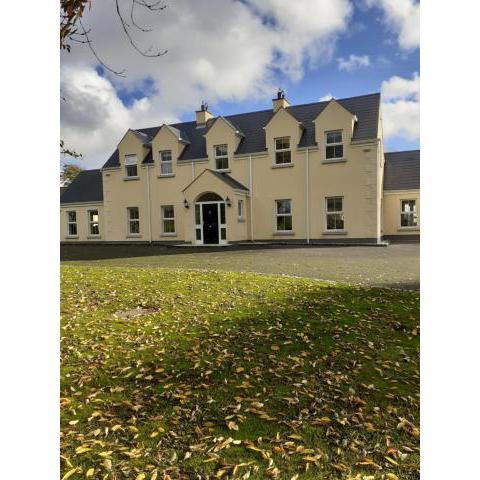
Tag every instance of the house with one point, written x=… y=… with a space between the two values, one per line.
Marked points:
x=312 y=173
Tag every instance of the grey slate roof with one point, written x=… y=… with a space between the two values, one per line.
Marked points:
x=229 y=180
x=365 y=107
x=402 y=170
x=87 y=186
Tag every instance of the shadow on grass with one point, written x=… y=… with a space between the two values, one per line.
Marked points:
x=334 y=367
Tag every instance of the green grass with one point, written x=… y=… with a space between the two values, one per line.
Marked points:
x=236 y=376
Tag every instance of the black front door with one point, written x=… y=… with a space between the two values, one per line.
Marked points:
x=210 y=223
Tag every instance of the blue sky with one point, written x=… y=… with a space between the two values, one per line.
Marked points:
x=234 y=55
x=370 y=37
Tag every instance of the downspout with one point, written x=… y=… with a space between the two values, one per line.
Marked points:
x=251 y=199
x=193 y=171
x=307 y=195
x=148 y=206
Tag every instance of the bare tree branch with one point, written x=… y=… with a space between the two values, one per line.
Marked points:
x=89 y=43
x=125 y=26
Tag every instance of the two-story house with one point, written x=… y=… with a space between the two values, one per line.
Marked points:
x=313 y=173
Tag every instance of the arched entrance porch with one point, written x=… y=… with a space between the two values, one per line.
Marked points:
x=210 y=219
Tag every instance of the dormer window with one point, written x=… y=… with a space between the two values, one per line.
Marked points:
x=166 y=162
x=283 y=153
x=221 y=157
x=334 y=145
x=131 y=168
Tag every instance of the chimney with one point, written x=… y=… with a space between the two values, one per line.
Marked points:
x=280 y=101
x=203 y=114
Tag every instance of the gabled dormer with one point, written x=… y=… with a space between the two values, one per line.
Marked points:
x=222 y=139
x=132 y=150
x=333 y=132
x=167 y=145
x=282 y=135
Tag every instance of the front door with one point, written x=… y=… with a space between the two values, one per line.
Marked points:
x=210 y=223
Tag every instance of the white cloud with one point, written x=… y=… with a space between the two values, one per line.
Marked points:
x=397 y=87
x=217 y=50
x=326 y=97
x=353 y=62
x=403 y=18
x=401 y=107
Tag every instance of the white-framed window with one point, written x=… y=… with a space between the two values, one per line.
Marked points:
x=334 y=213
x=283 y=215
x=131 y=167
x=133 y=219
x=221 y=157
x=93 y=222
x=283 y=153
x=408 y=213
x=168 y=219
x=240 y=209
x=72 y=223
x=333 y=145
x=166 y=162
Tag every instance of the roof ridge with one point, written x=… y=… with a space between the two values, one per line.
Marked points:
x=403 y=151
x=268 y=110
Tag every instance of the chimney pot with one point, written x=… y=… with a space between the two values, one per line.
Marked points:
x=203 y=115
x=280 y=101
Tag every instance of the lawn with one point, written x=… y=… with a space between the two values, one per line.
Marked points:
x=231 y=375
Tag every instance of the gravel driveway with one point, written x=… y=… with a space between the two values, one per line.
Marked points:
x=394 y=266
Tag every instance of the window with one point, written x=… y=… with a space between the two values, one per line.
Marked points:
x=221 y=157
x=240 y=209
x=168 y=219
x=335 y=219
x=283 y=153
x=408 y=214
x=283 y=213
x=166 y=162
x=334 y=145
x=72 y=223
x=133 y=221
x=93 y=224
x=131 y=169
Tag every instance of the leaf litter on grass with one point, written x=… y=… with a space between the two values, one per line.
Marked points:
x=236 y=376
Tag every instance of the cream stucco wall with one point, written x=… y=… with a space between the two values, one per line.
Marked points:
x=307 y=182
x=391 y=212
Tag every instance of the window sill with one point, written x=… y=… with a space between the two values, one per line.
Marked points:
x=335 y=232
x=71 y=237
x=334 y=160
x=128 y=179
x=408 y=229
x=223 y=170
x=94 y=237
x=168 y=234
x=282 y=165
x=283 y=233
x=165 y=175
x=134 y=235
